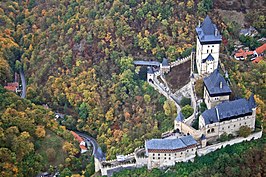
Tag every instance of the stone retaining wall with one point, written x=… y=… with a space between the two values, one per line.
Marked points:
x=180 y=61
x=211 y=148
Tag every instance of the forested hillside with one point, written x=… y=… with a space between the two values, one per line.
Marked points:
x=31 y=141
x=77 y=56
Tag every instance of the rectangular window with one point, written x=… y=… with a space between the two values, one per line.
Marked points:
x=207 y=51
x=211 y=50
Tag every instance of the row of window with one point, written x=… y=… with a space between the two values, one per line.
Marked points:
x=247 y=117
x=235 y=125
x=208 y=51
x=175 y=153
x=213 y=130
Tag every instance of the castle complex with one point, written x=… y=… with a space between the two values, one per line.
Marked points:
x=222 y=117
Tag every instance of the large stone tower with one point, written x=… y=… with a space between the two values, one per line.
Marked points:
x=208 y=46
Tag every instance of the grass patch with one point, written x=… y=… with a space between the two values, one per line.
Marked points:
x=51 y=148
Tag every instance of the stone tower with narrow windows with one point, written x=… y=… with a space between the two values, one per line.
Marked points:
x=208 y=46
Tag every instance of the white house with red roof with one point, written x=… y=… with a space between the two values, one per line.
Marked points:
x=82 y=144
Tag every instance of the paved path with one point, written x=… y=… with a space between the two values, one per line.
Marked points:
x=165 y=90
x=23 y=81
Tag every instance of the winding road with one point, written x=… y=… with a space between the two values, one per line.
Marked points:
x=23 y=81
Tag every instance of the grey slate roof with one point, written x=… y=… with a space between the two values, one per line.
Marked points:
x=203 y=137
x=210 y=116
x=206 y=31
x=165 y=62
x=150 y=70
x=213 y=83
x=209 y=58
x=180 y=117
x=188 y=140
x=146 y=63
x=229 y=110
x=170 y=144
x=251 y=101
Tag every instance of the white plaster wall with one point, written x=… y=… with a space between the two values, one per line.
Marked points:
x=229 y=127
x=202 y=52
x=213 y=101
x=156 y=160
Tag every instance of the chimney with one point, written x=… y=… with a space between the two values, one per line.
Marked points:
x=199 y=23
x=221 y=85
x=216 y=32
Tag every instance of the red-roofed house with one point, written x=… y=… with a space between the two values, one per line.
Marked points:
x=242 y=55
x=260 y=50
x=82 y=144
x=12 y=86
x=257 y=59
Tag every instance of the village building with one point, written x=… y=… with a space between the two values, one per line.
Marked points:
x=216 y=89
x=82 y=144
x=251 y=31
x=208 y=46
x=228 y=117
x=13 y=87
x=243 y=54
x=260 y=50
x=166 y=152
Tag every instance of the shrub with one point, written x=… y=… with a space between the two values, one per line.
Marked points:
x=185 y=101
x=187 y=111
x=244 y=131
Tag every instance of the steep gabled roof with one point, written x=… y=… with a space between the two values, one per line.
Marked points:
x=216 y=84
x=251 y=101
x=77 y=137
x=209 y=58
x=165 y=62
x=208 y=32
x=229 y=110
x=150 y=70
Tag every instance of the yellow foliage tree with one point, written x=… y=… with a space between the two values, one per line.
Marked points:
x=40 y=131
